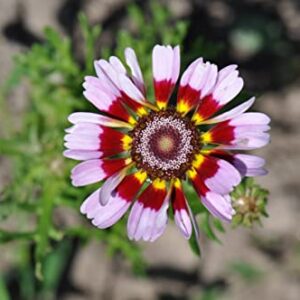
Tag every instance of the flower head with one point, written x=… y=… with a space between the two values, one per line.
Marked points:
x=143 y=151
x=249 y=201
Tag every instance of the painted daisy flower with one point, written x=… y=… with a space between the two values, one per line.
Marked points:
x=143 y=151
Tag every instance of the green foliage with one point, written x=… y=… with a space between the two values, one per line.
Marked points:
x=246 y=271
x=4 y=295
x=211 y=294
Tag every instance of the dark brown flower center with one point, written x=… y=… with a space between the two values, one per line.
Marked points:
x=164 y=144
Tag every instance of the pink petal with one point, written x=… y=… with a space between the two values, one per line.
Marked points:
x=232 y=113
x=104 y=84
x=84 y=117
x=147 y=223
x=250 y=118
x=87 y=172
x=90 y=129
x=99 y=99
x=133 y=219
x=134 y=66
x=117 y=65
x=107 y=78
x=248 y=142
x=197 y=75
x=109 y=214
x=209 y=79
x=176 y=64
x=223 y=96
x=110 y=185
x=162 y=63
x=225 y=179
x=91 y=205
x=83 y=136
x=104 y=216
x=161 y=221
x=183 y=222
x=82 y=154
x=186 y=76
x=223 y=73
x=109 y=71
x=249 y=165
x=219 y=206
x=180 y=208
x=228 y=85
x=128 y=87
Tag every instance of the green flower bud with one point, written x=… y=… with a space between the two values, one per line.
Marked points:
x=249 y=201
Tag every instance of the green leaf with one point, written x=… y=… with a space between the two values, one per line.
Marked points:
x=207 y=228
x=4 y=294
x=8 y=236
x=54 y=265
x=218 y=225
x=247 y=271
x=44 y=226
x=211 y=294
x=194 y=244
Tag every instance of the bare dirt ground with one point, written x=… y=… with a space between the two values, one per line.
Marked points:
x=174 y=272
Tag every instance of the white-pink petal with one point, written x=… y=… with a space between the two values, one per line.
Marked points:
x=105 y=78
x=228 y=85
x=91 y=205
x=225 y=179
x=89 y=129
x=248 y=141
x=249 y=165
x=135 y=69
x=104 y=216
x=176 y=65
x=250 y=118
x=183 y=222
x=186 y=76
x=117 y=65
x=195 y=76
x=83 y=136
x=110 y=185
x=147 y=223
x=84 y=117
x=82 y=143
x=99 y=98
x=87 y=172
x=109 y=71
x=219 y=206
x=82 y=154
x=91 y=82
x=227 y=93
x=238 y=110
x=165 y=63
x=134 y=218
x=162 y=58
x=225 y=72
x=209 y=79
x=109 y=214
x=160 y=224
x=128 y=87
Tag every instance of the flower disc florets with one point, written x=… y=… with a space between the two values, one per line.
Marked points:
x=164 y=144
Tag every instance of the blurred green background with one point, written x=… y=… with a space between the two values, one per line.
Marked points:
x=49 y=251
